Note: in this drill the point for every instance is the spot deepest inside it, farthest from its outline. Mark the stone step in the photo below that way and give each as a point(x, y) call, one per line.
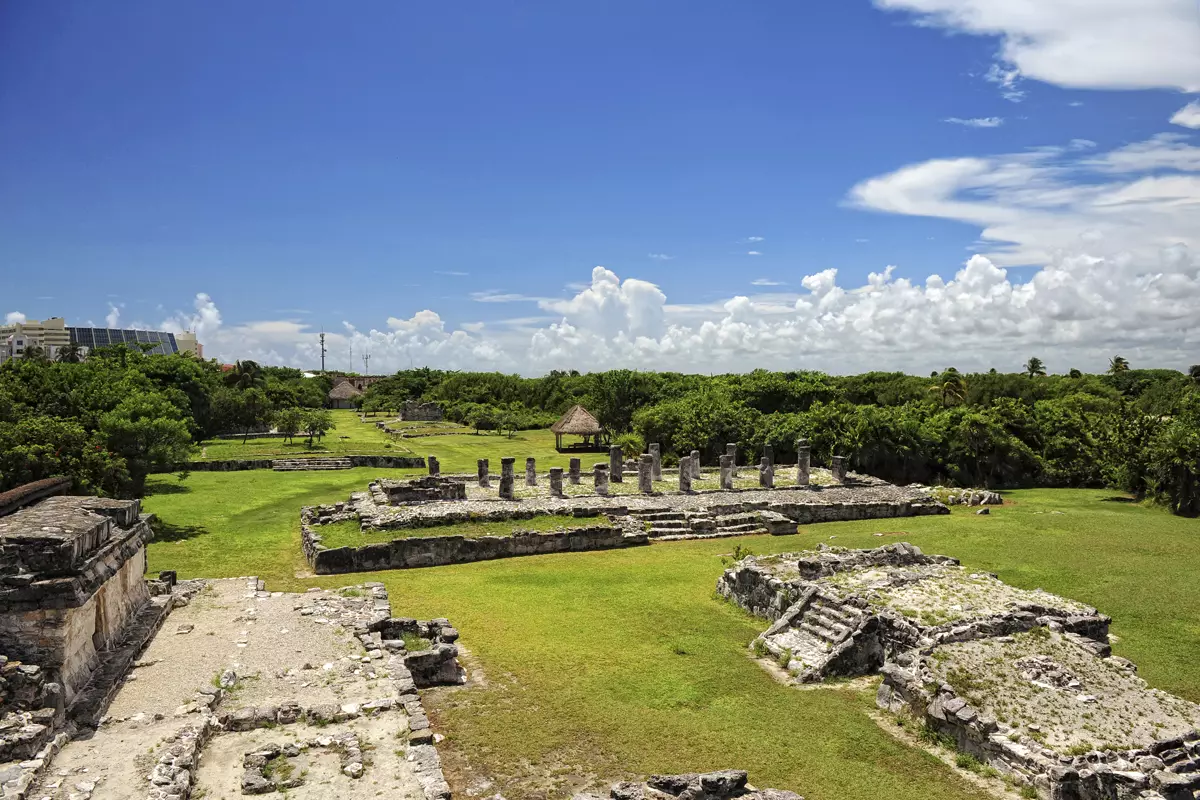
point(823, 617)
point(662, 516)
point(737, 519)
point(818, 631)
point(740, 529)
point(677, 524)
point(675, 536)
point(833, 630)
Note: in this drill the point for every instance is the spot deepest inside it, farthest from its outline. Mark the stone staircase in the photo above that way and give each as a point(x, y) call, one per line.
point(667, 524)
point(301, 464)
point(812, 631)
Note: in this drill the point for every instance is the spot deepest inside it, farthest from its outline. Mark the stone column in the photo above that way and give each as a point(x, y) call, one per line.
point(531, 472)
point(769, 454)
point(695, 457)
point(726, 471)
point(573, 474)
point(838, 468)
point(615, 464)
point(731, 451)
point(506, 478)
point(803, 461)
point(556, 474)
point(685, 474)
point(434, 467)
point(646, 474)
point(656, 453)
point(481, 467)
point(766, 474)
point(600, 475)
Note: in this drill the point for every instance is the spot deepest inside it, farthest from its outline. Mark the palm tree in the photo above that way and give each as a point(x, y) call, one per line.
point(70, 353)
point(951, 387)
point(246, 375)
point(1035, 368)
point(1117, 365)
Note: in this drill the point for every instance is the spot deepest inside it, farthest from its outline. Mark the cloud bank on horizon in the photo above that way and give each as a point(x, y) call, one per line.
point(1081, 253)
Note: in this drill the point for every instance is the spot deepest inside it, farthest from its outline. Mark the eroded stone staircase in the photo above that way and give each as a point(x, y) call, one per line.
point(667, 524)
point(811, 633)
point(301, 464)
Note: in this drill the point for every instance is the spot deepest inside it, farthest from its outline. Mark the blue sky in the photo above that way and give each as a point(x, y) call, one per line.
point(303, 165)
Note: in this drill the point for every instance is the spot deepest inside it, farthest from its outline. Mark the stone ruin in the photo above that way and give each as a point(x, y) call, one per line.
point(1024, 681)
point(420, 490)
point(414, 411)
point(729, 784)
point(74, 612)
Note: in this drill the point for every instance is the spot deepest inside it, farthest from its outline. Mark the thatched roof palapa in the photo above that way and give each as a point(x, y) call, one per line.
point(577, 422)
point(344, 391)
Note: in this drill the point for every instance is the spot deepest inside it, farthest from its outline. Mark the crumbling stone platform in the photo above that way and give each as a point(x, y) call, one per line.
point(240, 671)
point(1025, 681)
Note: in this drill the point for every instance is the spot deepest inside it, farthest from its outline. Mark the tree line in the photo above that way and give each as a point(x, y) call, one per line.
point(1137, 430)
point(110, 420)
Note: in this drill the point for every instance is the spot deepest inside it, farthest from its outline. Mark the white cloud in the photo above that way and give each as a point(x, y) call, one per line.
point(1009, 81)
point(113, 318)
point(451, 273)
point(493, 296)
point(765, 282)
point(1085, 44)
point(473, 327)
point(754, 253)
point(1035, 206)
point(14, 318)
point(1188, 116)
point(660, 256)
point(976, 122)
point(755, 239)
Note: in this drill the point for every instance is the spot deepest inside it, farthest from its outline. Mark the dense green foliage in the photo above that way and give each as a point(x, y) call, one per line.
point(1132, 429)
point(109, 421)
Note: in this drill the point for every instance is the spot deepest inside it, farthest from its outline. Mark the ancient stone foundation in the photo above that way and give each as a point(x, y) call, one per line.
point(412, 411)
point(727, 784)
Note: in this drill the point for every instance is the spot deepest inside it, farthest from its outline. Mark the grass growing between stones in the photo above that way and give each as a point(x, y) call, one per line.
point(620, 661)
point(348, 534)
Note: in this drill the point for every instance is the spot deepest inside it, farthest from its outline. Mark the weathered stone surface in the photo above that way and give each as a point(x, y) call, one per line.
point(766, 474)
point(727, 784)
point(616, 464)
point(803, 462)
point(695, 456)
point(655, 451)
point(600, 477)
point(573, 472)
point(685, 474)
point(556, 482)
point(646, 474)
point(435, 468)
point(482, 473)
point(731, 451)
point(531, 471)
point(838, 468)
point(727, 472)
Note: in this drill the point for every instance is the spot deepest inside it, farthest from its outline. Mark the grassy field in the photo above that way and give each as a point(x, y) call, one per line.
point(607, 662)
point(349, 534)
point(456, 451)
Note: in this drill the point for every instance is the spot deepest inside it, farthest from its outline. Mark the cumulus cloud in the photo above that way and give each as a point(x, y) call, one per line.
point(1188, 116)
point(14, 318)
point(976, 122)
point(1037, 205)
point(113, 318)
point(1083, 44)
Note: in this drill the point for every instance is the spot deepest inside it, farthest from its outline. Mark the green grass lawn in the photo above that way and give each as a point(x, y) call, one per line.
point(349, 534)
point(456, 451)
point(623, 661)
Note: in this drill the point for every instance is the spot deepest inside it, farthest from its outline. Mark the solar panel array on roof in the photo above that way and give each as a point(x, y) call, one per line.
point(91, 338)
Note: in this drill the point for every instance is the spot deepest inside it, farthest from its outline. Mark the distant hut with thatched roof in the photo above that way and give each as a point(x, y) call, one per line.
point(343, 394)
point(578, 422)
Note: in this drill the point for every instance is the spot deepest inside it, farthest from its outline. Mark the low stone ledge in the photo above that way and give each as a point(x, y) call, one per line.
point(434, 551)
point(242, 464)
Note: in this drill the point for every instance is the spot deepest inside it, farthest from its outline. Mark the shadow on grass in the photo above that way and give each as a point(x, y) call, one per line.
point(168, 532)
point(162, 487)
point(1118, 499)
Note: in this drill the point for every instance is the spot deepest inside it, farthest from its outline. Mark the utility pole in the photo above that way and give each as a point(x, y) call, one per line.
point(367, 365)
point(322, 352)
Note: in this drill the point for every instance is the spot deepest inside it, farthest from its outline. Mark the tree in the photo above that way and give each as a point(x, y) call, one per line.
point(1194, 373)
point(1074, 374)
point(1034, 368)
point(246, 375)
point(34, 353)
point(317, 422)
point(69, 353)
point(147, 431)
point(951, 387)
point(1118, 365)
point(289, 422)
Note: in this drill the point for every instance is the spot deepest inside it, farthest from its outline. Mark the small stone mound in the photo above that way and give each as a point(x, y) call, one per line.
point(729, 784)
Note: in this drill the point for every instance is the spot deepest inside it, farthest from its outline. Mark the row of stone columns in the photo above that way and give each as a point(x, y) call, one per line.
point(650, 470)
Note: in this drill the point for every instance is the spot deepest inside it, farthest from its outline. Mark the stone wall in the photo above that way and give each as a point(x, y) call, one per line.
point(412, 411)
point(423, 490)
point(433, 551)
point(240, 464)
point(30, 493)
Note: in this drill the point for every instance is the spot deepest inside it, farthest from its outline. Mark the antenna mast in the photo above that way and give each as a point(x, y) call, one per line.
point(322, 352)
point(367, 364)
